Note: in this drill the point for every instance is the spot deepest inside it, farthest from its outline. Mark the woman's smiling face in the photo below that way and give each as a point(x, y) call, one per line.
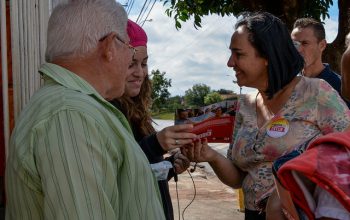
point(137, 72)
point(251, 69)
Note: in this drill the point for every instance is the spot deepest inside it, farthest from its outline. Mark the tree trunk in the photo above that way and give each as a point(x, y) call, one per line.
point(334, 50)
point(292, 10)
point(287, 10)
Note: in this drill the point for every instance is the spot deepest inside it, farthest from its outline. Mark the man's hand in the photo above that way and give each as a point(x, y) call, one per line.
point(181, 162)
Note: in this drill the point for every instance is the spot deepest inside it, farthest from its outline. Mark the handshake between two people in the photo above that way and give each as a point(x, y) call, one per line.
point(186, 145)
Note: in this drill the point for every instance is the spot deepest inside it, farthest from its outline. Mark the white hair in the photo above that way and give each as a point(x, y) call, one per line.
point(75, 27)
point(347, 40)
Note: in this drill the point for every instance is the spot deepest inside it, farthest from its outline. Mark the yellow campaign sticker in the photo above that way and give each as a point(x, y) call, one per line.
point(278, 127)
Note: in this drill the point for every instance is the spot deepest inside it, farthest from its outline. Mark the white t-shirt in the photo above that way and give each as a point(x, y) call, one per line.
point(329, 206)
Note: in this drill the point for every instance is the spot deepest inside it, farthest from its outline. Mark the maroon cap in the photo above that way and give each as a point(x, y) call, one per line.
point(136, 34)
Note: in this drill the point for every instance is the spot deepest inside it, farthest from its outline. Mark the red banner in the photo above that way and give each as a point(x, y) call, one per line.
point(215, 129)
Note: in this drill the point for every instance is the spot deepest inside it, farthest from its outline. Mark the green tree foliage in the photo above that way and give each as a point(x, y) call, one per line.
point(212, 98)
point(194, 97)
point(286, 10)
point(174, 103)
point(160, 93)
point(225, 91)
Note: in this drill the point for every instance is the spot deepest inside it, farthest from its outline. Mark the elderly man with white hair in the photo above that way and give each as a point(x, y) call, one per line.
point(72, 154)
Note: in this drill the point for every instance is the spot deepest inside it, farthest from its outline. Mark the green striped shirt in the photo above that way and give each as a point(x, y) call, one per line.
point(72, 156)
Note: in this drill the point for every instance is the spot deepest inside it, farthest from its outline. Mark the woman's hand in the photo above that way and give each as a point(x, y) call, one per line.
point(199, 151)
point(228, 173)
point(181, 162)
point(175, 136)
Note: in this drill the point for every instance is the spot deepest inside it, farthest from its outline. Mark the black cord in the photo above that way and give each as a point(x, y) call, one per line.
point(178, 201)
point(177, 192)
point(194, 196)
point(194, 168)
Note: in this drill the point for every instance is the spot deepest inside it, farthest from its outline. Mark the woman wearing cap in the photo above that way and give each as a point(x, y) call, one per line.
point(135, 105)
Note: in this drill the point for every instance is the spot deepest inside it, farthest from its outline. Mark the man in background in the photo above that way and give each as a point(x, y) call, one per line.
point(345, 70)
point(310, 39)
point(72, 154)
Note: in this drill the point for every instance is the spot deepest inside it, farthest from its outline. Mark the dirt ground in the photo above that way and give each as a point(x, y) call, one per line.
point(213, 200)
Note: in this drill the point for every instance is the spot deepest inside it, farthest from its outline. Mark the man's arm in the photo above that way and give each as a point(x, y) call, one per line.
point(78, 172)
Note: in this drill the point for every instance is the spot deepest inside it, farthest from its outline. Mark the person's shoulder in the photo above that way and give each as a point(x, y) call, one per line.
point(328, 73)
point(54, 98)
point(304, 80)
point(318, 86)
point(331, 77)
point(309, 85)
point(329, 69)
point(312, 82)
point(45, 104)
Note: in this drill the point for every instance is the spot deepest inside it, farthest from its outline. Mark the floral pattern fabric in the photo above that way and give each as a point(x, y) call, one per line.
point(313, 109)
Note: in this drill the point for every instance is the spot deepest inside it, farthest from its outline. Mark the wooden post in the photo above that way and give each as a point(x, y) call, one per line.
point(240, 200)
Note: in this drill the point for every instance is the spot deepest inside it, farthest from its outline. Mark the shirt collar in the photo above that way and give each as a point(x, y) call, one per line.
point(326, 67)
point(325, 70)
point(70, 80)
point(67, 79)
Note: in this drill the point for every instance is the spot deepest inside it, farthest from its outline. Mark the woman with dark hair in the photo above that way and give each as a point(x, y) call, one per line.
point(135, 105)
point(287, 110)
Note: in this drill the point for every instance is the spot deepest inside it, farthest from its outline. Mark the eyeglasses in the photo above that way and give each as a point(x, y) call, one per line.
point(134, 50)
point(128, 45)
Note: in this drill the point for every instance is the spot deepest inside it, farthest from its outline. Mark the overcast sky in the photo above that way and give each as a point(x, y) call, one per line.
point(190, 56)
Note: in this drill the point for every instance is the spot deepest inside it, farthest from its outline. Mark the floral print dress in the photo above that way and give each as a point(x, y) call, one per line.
point(313, 109)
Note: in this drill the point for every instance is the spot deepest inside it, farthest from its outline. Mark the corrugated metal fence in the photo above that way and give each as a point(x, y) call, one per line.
point(29, 20)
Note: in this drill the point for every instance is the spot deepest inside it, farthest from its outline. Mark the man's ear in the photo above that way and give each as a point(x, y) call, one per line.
point(322, 44)
point(107, 46)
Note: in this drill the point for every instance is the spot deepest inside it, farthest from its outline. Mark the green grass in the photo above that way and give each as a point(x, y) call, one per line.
point(164, 116)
